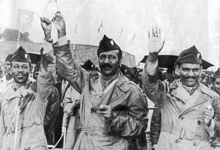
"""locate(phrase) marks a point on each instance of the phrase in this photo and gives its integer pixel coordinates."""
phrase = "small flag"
(121, 32)
(50, 1)
(75, 27)
(24, 20)
(133, 38)
(101, 25)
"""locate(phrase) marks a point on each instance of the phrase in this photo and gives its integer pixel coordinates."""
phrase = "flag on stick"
(133, 39)
(75, 27)
(121, 32)
(51, 1)
(101, 26)
(24, 20)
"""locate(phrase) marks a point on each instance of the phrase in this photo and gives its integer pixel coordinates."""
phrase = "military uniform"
(30, 131)
(183, 123)
(124, 97)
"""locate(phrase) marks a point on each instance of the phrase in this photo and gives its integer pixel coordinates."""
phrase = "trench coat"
(30, 131)
(128, 102)
(183, 125)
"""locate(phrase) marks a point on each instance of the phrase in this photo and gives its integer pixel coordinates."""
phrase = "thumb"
(103, 107)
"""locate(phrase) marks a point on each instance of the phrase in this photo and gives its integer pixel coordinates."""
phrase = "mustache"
(107, 65)
(190, 77)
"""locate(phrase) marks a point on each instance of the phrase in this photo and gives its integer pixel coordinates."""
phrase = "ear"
(177, 70)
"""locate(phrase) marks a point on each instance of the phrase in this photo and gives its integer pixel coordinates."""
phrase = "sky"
(184, 23)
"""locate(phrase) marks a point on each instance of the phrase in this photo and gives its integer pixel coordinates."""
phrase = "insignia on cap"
(25, 55)
(112, 42)
(198, 55)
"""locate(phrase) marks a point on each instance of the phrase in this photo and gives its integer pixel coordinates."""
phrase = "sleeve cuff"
(62, 41)
(151, 67)
(210, 129)
(47, 47)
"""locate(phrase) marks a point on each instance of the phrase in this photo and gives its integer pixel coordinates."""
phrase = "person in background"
(7, 73)
(216, 87)
(188, 108)
(52, 109)
(113, 110)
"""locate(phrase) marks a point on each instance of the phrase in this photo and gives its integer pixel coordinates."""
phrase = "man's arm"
(216, 118)
(153, 87)
(2, 128)
(46, 77)
(67, 67)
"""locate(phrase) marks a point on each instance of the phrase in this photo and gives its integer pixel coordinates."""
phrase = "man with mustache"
(113, 110)
(23, 105)
(189, 109)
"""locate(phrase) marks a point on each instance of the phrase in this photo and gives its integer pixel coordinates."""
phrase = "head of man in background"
(216, 81)
(7, 67)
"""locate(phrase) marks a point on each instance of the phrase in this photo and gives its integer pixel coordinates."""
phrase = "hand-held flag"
(24, 20)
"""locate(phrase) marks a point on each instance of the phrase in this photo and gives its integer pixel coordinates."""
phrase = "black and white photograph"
(109, 75)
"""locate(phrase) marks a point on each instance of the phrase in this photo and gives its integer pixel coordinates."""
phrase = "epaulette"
(208, 91)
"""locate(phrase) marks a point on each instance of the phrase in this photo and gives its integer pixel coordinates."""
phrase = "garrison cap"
(8, 58)
(20, 55)
(217, 74)
(106, 45)
(88, 65)
(37, 66)
(190, 55)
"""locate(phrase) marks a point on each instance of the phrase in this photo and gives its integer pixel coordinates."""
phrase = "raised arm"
(46, 77)
(152, 86)
(66, 64)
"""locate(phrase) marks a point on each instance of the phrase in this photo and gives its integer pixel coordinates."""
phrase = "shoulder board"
(208, 91)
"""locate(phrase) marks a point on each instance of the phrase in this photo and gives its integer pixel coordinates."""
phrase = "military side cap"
(217, 74)
(106, 45)
(20, 55)
(88, 65)
(190, 55)
(8, 58)
(37, 66)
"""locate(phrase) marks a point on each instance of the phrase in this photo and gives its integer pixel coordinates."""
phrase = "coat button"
(177, 141)
(86, 133)
(199, 122)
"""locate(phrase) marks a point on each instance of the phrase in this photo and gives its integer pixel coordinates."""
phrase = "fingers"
(155, 32)
(57, 16)
(45, 20)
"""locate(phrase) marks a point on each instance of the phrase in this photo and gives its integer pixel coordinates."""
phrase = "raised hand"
(155, 44)
(60, 25)
(47, 27)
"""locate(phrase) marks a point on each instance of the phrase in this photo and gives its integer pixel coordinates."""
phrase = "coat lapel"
(195, 99)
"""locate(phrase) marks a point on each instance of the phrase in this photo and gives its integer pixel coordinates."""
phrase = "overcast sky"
(184, 22)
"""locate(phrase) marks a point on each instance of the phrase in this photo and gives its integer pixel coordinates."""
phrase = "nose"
(191, 73)
(106, 60)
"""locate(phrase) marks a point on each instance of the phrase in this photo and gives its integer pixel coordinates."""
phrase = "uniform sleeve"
(132, 122)
(68, 68)
(155, 125)
(2, 129)
(216, 119)
(152, 86)
(46, 77)
(52, 110)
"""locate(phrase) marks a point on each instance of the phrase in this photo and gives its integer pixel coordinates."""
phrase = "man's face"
(189, 73)
(109, 62)
(35, 74)
(20, 71)
(7, 67)
(216, 84)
